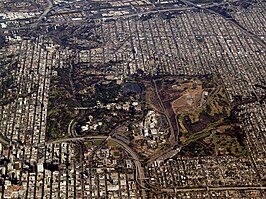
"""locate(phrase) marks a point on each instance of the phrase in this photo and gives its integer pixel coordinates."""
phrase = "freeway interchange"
(140, 175)
(121, 41)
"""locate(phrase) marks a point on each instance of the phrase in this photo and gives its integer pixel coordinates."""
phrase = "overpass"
(140, 175)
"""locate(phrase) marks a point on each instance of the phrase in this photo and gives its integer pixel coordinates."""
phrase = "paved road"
(46, 11)
(71, 73)
(151, 11)
(75, 139)
(139, 169)
(172, 138)
(245, 31)
(71, 127)
(50, 5)
(3, 141)
(213, 189)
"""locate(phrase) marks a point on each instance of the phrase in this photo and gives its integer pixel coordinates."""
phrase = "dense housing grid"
(132, 99)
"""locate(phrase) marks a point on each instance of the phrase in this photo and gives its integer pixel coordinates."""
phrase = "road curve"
(46, 11)
(140, 175)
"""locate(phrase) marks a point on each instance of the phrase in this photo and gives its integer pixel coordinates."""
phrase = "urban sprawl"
(132, 99)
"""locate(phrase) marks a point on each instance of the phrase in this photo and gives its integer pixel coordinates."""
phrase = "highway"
(43, 15)
(3, 141)
(222, 188)
(172, 138)
(70, 128)
(46, 11)
(50, 5)
(246, 32)
(140, 175)
(76, 139)
(147, 12)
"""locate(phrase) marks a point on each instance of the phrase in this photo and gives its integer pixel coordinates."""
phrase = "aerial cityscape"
(132, 99)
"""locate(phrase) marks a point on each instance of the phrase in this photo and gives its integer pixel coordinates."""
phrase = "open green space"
(212, 120)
